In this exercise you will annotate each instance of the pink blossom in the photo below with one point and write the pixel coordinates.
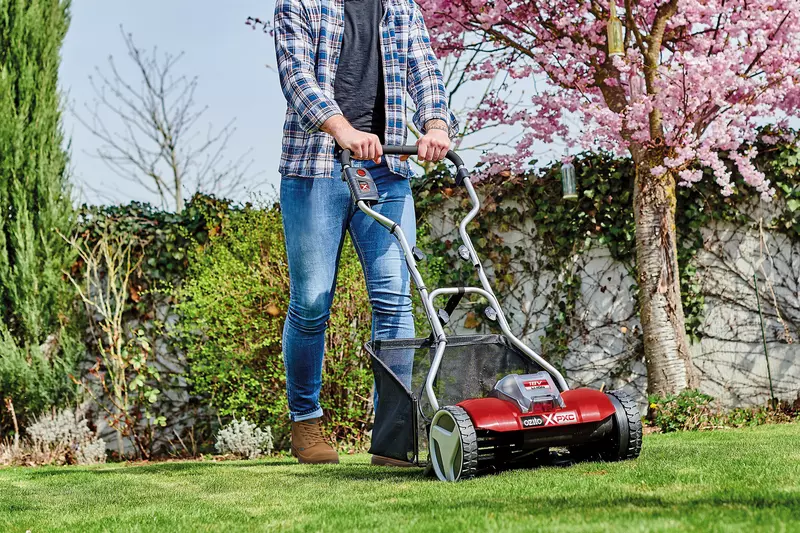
(658, 171)
(688, 177)
(725, 66)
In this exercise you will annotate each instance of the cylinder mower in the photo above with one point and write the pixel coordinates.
(480, 403)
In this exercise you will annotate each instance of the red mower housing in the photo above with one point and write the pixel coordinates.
(581, 406)
(529, 412)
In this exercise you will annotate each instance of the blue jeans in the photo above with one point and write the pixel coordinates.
(316, 214)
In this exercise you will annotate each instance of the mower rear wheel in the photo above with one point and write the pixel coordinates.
(453, 444)
(627, 433)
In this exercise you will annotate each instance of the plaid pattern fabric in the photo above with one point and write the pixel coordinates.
(308, 41)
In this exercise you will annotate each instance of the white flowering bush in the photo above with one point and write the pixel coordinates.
(244, 439)
(6, 453)
(58, 437)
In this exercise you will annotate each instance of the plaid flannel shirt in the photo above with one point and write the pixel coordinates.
(308, 41)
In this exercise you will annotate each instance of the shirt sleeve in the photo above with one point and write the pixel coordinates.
(425, 84)
(294, 47)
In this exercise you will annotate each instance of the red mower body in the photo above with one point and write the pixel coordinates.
(581, 417)
(581, 406)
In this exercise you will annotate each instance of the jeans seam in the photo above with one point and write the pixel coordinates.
(294, 416)
(360, 254)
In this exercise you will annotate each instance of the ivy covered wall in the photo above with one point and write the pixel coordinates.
(565, 271)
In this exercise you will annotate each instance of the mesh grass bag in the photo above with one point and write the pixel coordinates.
(470, 367)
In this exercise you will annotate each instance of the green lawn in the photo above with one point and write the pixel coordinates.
(736, 480)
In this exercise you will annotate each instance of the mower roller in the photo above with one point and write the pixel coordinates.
(479, 403)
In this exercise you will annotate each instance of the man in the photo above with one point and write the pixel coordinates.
(345, 67)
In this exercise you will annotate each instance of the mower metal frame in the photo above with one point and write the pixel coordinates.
(462, 177)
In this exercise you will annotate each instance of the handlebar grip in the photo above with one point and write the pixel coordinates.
(461, 171)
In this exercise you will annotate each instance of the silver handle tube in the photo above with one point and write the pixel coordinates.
(461, 170)
(536, 358)
(427, 301)
(432, 372)
(462, 230)
(397, 231)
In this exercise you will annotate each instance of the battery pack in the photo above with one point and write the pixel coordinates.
(531, 392)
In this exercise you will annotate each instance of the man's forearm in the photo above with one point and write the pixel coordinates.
(363, 145)
(338, 124)
(335, 125)
(295, 48)
(424, 80)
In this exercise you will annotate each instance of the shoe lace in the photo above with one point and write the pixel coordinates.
(311, 432)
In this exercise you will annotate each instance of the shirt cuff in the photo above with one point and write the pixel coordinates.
(315, 117)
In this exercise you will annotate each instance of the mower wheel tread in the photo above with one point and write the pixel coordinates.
(469, 441)
(634, 437)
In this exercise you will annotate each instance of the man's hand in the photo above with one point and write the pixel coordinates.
(433, 146)
(362, 145)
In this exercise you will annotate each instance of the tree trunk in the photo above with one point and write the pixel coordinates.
(669, 364)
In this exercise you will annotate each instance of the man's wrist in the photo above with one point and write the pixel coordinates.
(436, 124)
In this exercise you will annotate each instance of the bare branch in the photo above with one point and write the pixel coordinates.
(149, 128)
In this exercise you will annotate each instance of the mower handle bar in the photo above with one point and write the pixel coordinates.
(462, 178)
(461, 170)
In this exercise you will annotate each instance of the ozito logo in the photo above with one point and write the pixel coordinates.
(363, 186)
(536, 384)
(532, 421)
(561, 418)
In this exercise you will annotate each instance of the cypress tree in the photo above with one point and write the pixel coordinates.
(38, 346)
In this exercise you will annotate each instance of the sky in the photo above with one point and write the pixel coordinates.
(229, 59)
(235, 81)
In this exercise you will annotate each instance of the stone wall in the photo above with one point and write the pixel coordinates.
(606, 342)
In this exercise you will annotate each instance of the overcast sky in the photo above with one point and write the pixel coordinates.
(229, 59)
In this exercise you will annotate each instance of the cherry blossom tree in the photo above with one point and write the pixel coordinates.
(687, 82)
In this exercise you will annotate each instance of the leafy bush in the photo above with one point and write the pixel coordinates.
(693, 410)
(123, 376)
(153, 407)
(244, 439)
(233, 305)
(37, 378)
(169, 237)
(62, 437)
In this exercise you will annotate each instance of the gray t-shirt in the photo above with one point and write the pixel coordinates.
(359, 87)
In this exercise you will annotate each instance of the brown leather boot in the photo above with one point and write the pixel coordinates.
(379, 460)
(308, 445)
